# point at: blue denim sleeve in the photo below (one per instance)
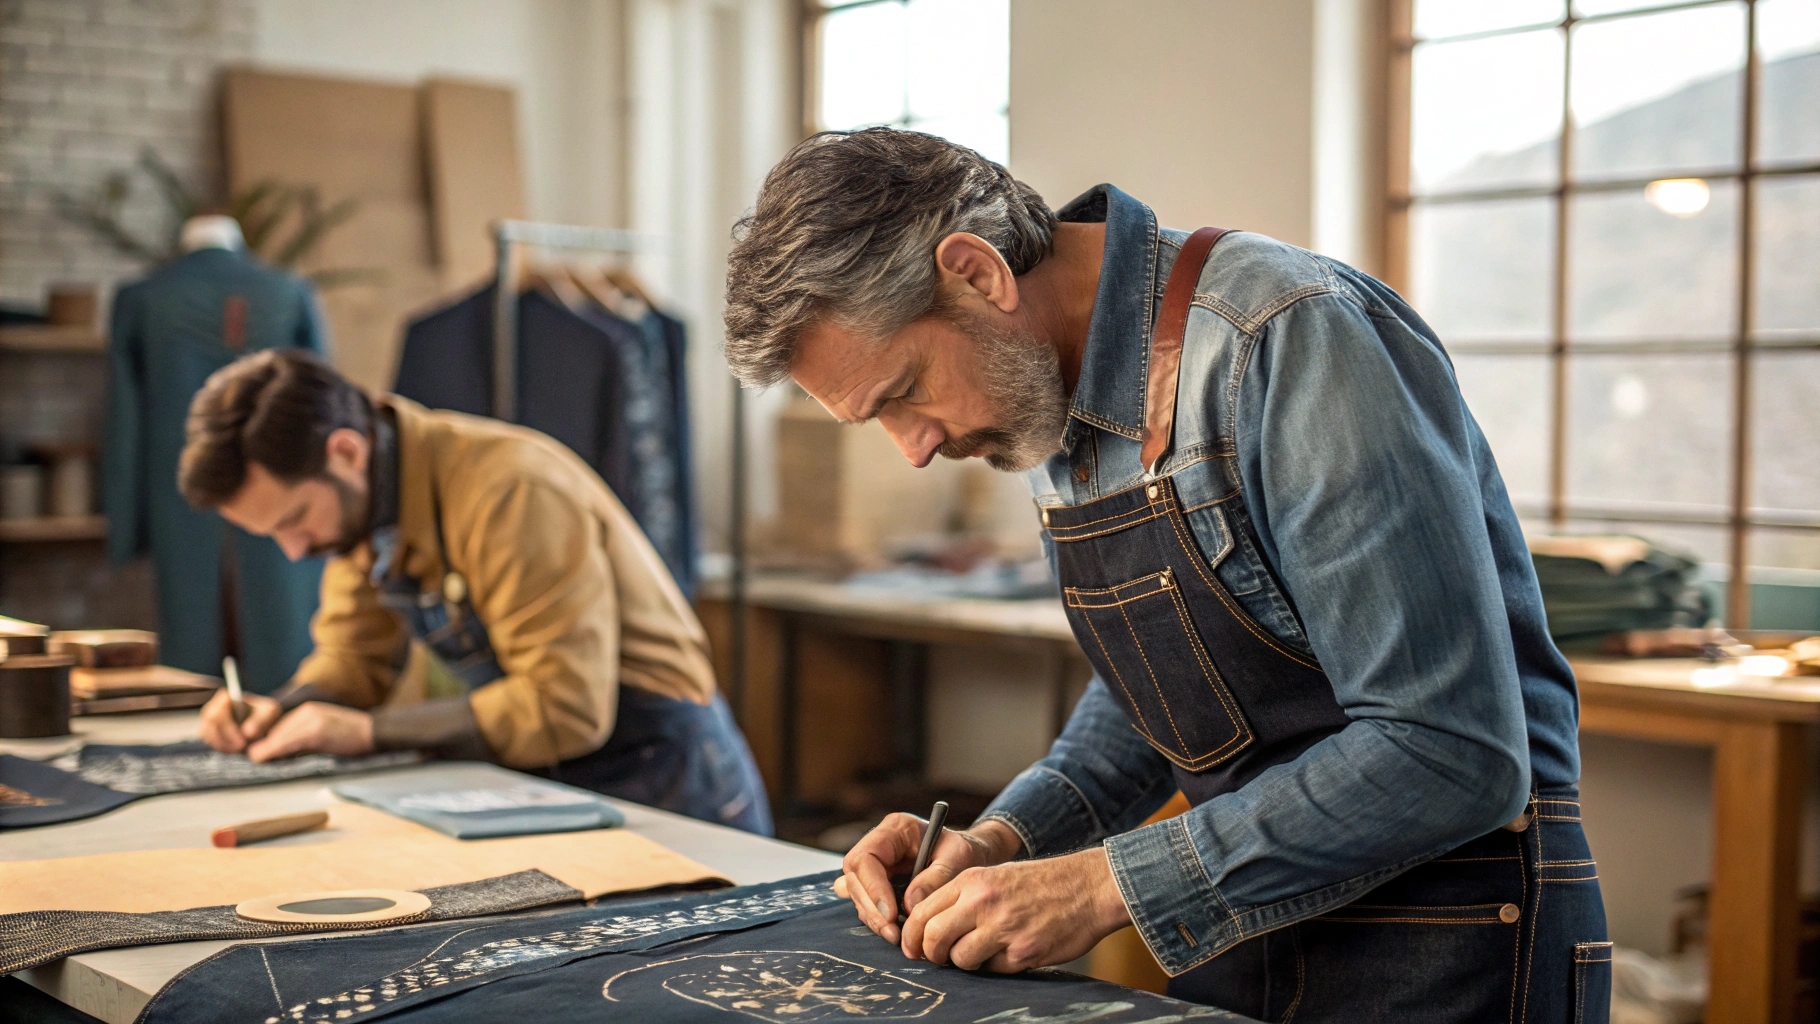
(1099, 779)
(1356, 457)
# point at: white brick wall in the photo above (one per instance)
(84, 86)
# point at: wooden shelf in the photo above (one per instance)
(51, 338)
(52, 528)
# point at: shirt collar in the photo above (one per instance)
(1115, 364)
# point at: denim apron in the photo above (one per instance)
(1508, 927)
(663, 752)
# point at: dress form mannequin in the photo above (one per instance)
(211, 231)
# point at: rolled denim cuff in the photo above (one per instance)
(1047, 812)
(1173, 902)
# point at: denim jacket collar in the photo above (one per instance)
(1115, 365)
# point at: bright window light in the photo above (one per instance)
(1681, 197)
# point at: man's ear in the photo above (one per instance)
(970, 266)
(348, 451)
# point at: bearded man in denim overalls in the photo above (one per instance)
(1285, 547)
(489, 598)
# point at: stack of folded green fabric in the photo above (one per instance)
(1595, 586)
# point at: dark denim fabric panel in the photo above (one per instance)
(677, 755)
(32, 793)
(789, 951)
(1506, 927)
(397, 969)
(38, 937)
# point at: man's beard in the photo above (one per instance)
(1023, 384)
(353, 526)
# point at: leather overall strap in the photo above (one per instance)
(1166, 344)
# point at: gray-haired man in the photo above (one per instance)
(1284, 545)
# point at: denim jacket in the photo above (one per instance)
(1370, 530)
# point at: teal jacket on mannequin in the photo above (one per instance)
(169, 332)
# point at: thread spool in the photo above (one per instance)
(34, 696)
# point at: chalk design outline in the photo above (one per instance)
(595, 935)
(802, 991)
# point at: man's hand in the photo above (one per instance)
(219, 730)
(316, 728)
(1012, 917)
(890, 849)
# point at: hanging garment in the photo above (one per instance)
(780, 952)
(169, 332)
(607, 388)
(99, 778)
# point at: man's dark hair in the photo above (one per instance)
(276, 408)
(845, 230)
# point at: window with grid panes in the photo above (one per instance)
(938, 66)
(1610, 213)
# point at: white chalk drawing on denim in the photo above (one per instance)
(179, 771)
(782, 986)
(1081, 1013)
(600, 934)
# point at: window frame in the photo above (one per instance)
(1741, 344)
(812, 12)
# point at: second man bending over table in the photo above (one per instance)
(550, 636)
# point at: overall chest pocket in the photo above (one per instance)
(1147, 649)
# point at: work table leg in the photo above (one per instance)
(1758, 775)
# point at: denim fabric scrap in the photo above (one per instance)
(785, 951)
(37, 937)
(38, 794)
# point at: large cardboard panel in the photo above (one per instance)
(365, 849)
(349, 139)
(471, 138)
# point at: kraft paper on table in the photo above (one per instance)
(372, 850)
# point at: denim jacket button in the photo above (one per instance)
(1150, 492)
(1045, 517)
(1080, 473)
(1508, 913)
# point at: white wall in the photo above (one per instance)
(1202, 108)
(711, 107)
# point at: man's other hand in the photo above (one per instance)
(890, 850)
(219, 730)
(316, 728)
(1012, 917)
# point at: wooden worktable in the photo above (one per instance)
(115, 984)
(1756, 728)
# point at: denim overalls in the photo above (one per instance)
(1504, 928)
(663, 752)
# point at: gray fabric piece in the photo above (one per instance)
(182, 767)
(30, 939)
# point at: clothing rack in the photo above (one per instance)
(508, 235)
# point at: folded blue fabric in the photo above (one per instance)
(481, 801)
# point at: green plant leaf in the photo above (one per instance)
(325, 280)
(316, 224)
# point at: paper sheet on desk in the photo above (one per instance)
(376, 850)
